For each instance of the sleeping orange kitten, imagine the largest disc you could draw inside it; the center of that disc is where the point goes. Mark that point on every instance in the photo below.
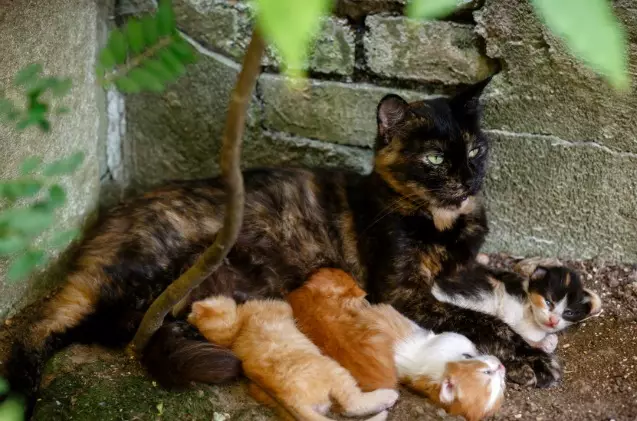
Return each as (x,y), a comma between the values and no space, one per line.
(380,347)
(287,370)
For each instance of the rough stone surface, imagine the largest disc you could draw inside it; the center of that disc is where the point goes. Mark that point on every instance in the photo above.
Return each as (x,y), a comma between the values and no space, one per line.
(544,90)
(38,31)
(426,51)
(329,111)
(556,198)
(177,134)
(225,27)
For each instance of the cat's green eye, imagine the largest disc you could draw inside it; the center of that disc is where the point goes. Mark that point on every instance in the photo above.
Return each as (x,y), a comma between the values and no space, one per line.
(435,158)
(474,152)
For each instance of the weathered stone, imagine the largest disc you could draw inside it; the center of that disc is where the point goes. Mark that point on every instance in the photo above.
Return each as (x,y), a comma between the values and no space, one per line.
(544,89)
(330,111)
(426,51)
(277,149)
(357,9)
(177,134)
(37,31)
(551,197)
(86,384)
(225,27)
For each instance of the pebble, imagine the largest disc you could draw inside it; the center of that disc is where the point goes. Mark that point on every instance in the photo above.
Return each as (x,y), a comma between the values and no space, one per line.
(518,416)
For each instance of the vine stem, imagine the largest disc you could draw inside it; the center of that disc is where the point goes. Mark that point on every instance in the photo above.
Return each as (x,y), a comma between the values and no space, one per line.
(230,161)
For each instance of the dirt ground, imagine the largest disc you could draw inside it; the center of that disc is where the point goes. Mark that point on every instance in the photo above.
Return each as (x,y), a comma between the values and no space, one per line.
(599,357)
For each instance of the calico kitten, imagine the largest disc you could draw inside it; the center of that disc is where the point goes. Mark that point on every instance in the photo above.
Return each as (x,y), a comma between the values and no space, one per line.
(418,217)
(380,347)
(549,300)
(284,363)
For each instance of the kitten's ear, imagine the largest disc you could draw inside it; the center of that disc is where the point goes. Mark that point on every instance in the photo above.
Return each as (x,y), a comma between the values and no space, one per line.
(391,110)
(466,104)
(594,300)
(539,273)
(447,391)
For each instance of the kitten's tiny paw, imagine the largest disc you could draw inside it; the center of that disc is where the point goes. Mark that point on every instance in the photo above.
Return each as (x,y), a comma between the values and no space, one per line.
(381,416)
(549,343)
(387,397)
(547,371)
(521,374)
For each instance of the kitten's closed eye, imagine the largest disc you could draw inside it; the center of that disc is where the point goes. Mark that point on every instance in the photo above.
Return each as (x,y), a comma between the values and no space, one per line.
(467,356)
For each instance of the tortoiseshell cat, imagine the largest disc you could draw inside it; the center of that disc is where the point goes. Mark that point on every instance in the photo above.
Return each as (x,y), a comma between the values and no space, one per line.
(548,300)
(416,218)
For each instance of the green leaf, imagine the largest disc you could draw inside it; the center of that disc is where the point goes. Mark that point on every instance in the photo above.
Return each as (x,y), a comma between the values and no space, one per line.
(12,409)
(432,9)
(12,244)
(25,264)
(118,46)
(62,239)
(30,221)
(64,166)
(28,75)
(172,63)
(146,80)
(29,165)
(160,70)
(183,51)
(127,85)
(107,59)
(57,196)
(592,33)
(149,28)
(135,35)
(291,25)
(165,18)
(19,188)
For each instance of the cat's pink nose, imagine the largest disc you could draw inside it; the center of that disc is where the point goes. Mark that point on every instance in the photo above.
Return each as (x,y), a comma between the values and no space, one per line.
(552,322)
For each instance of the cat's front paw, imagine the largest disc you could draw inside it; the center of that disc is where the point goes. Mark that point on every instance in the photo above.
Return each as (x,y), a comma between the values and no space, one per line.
(549,343)
(539,370)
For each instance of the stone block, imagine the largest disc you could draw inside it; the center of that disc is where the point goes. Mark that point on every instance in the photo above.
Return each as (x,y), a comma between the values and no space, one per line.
(329,111)
(225,27)
(551,197)
(544,89)
(177,134)
(37,31)
(425,51)
(278,149)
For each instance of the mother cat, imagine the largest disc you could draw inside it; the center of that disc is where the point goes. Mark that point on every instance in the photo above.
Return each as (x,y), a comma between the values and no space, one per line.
(415,218)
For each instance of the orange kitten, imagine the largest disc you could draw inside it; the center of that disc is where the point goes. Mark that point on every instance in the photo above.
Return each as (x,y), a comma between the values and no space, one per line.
(288,368)
(380,346)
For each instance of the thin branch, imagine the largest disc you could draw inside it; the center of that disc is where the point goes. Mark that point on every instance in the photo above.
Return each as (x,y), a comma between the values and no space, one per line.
(137,60)
(214,255)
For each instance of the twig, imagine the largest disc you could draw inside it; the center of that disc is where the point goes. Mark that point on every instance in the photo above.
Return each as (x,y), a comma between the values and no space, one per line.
(214,255)
(136,61)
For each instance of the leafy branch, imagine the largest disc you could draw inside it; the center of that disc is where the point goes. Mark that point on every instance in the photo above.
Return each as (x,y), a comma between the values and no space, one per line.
(230,162)
(146,55)
(589,30)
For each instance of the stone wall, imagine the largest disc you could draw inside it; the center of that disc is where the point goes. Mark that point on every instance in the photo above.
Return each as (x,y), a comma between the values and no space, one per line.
(564,163)
(63,36)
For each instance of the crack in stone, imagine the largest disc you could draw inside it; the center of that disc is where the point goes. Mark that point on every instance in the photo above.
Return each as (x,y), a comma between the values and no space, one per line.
(556,141)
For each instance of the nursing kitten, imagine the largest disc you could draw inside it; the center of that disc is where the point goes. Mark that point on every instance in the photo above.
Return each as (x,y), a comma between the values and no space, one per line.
(381,348)
(536,307)
(282,361)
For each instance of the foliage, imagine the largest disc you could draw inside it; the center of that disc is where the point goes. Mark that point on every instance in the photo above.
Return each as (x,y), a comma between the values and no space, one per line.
(291,25)
(37,92)
(589,29)
(147,54)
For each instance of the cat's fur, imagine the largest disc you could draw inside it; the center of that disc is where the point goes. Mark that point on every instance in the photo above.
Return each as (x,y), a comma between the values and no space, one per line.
(282,361)
(380,347)
(548,300)
(397,229)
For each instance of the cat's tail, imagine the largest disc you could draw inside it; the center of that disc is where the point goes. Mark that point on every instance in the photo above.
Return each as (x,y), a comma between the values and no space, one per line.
(177,355)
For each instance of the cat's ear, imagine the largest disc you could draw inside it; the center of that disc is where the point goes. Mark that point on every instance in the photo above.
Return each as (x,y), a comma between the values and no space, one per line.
(594,300)
(447,391)
(539,273)
(466,104)
(391,110)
